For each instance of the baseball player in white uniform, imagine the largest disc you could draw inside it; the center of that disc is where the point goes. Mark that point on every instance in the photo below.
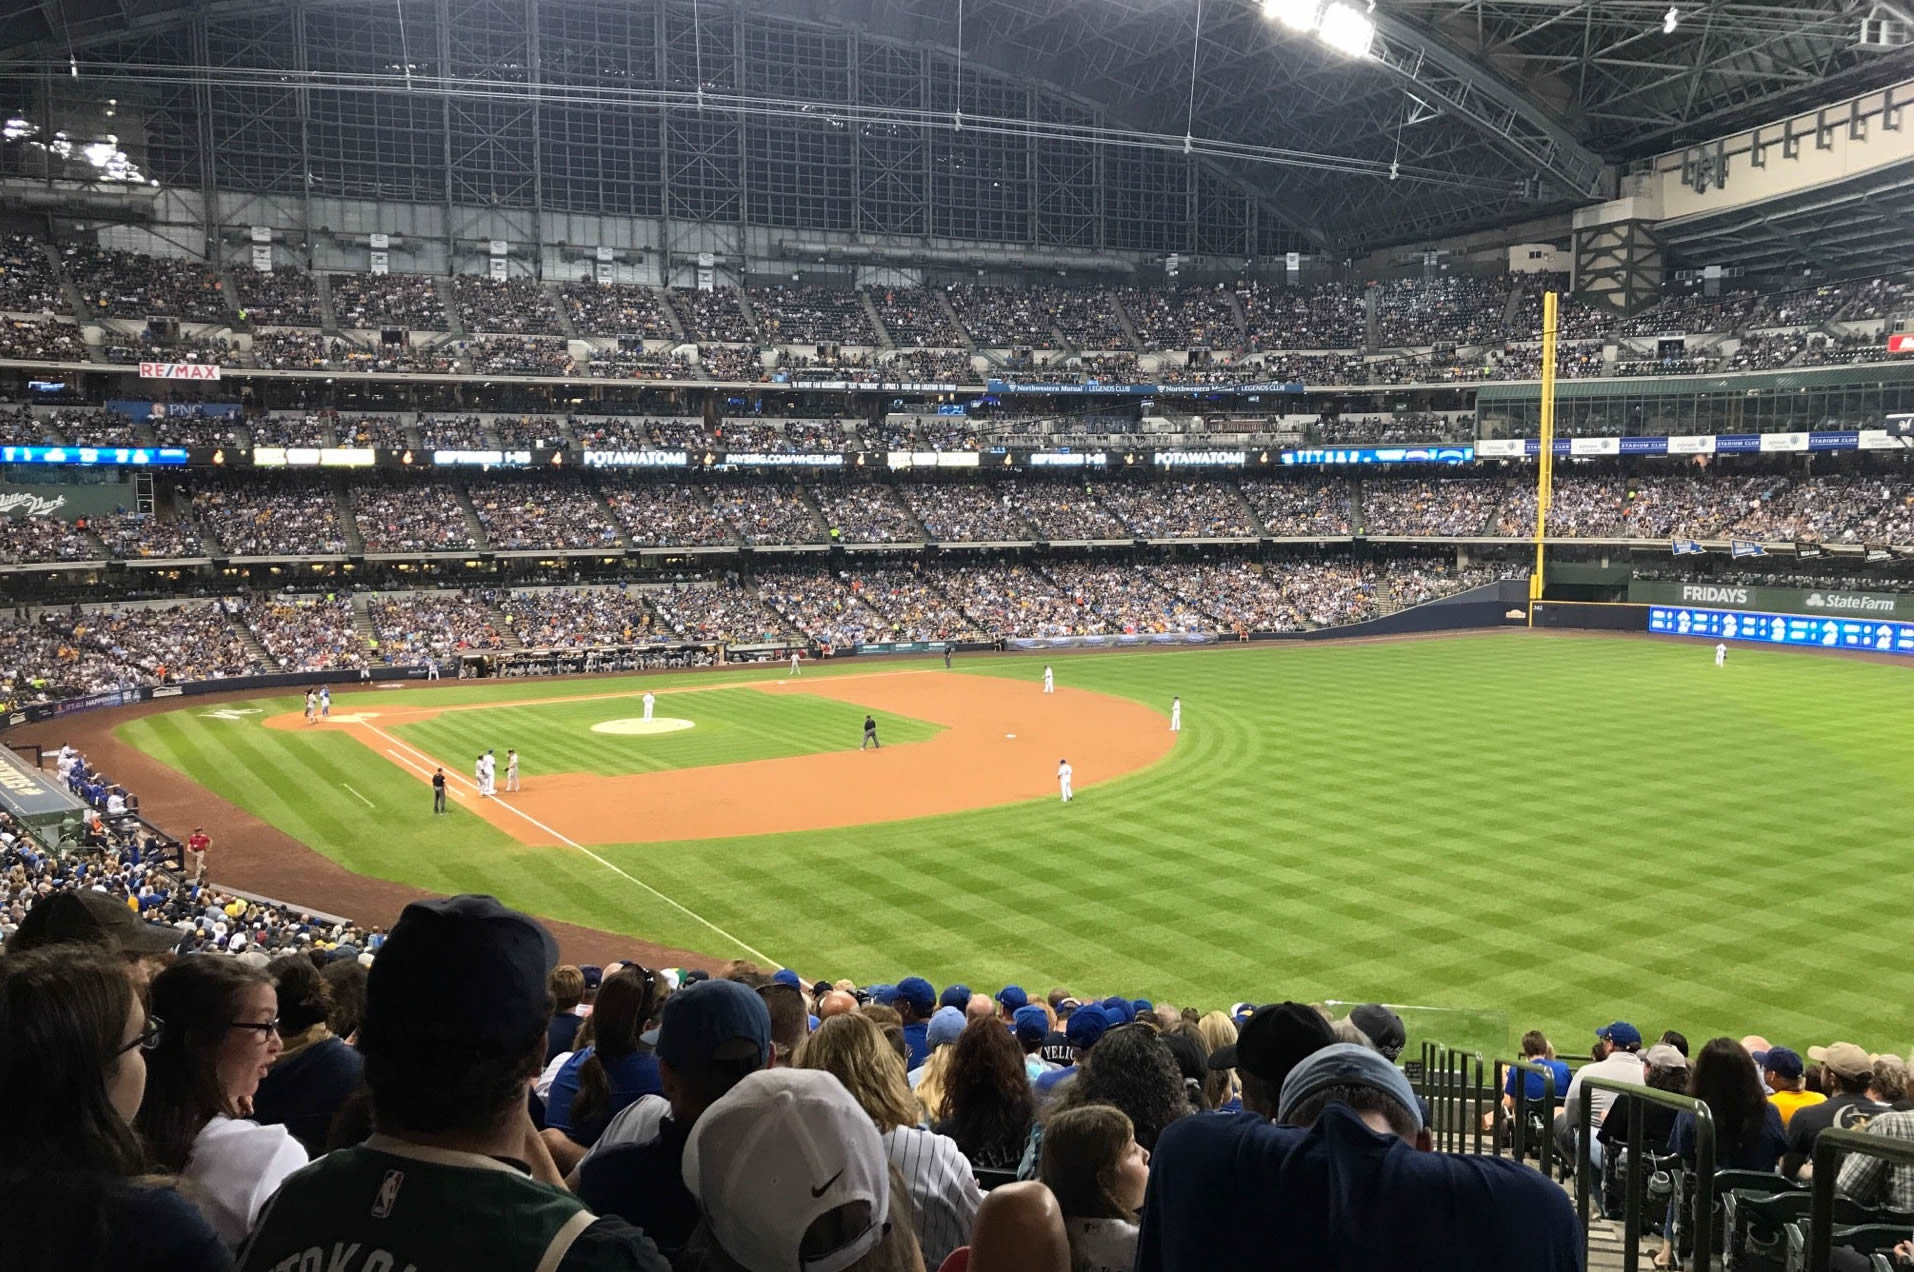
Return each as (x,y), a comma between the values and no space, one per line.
(325,703)
(511,770)
(491,773)
(1064,774)
(312,706)
(1176,715)
(1049,681)
(794,664)
(478,776)
(1721,653)
(650,702)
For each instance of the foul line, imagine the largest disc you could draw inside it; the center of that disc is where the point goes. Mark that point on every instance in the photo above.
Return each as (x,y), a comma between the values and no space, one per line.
(362,799)
(683,909)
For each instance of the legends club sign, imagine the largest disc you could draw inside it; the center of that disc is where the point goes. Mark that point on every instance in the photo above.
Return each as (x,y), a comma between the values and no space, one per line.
(1773,600)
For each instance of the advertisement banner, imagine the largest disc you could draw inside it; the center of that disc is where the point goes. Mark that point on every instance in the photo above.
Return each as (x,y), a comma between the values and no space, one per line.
(1500,448)
(1783,629)
(1594,445)
(481,459)
(314,457)
(1901,342)
(179,371)
(262,257)
(380,262)
(1828,601)
(637,459)
(1784,441)
(707,271)
(95,456)
(1104,642)
(1376,455)
(497,267)
(1692,445)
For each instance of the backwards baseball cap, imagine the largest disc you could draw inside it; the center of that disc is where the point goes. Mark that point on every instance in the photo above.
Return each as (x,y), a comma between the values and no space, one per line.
(497,1002)
(1383,1027)
(1013,997)
(1274,1040)
(916,991)
(86,917)
(944,1027)
(884,995)
(713,1020)
(1784,1061)
(1119,1009)
(780,1151)
(1346,1064)
(957,996)
(1087,1024)
(1663,1056)
(1844,1058)
(594,975)
(785,976)
(1621,1033)
(1030,1024)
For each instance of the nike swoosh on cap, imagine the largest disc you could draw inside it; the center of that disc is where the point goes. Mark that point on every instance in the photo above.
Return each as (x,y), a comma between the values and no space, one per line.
(824,1187)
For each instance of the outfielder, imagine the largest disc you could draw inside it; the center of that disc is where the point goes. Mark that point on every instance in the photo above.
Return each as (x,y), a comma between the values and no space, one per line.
(1176,715)
(650,702)
(1049,681)
(511,770)
(1721,653)
(1064,774)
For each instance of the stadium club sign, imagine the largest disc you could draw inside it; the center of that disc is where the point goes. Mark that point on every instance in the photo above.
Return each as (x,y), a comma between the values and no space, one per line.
(1702,444)
(1833,602)
(179,371)
(1140,390)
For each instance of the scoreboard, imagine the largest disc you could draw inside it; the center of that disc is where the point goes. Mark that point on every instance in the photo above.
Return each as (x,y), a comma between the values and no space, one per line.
(1783,629)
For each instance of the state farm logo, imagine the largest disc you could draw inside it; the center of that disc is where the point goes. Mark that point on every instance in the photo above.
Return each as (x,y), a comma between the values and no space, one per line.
(1858,601)
(1815,601)
(1715,595)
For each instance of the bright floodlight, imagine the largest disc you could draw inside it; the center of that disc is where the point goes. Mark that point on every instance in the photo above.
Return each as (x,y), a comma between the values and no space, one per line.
(1297,15)
(1670,20)
(1347,31)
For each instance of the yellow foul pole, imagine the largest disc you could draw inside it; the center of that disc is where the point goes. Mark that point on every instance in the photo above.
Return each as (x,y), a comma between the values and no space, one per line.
(1545,461)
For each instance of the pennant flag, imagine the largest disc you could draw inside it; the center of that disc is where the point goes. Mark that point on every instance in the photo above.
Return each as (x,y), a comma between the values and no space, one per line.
(1745,548)
(1682,547)
(1807,551)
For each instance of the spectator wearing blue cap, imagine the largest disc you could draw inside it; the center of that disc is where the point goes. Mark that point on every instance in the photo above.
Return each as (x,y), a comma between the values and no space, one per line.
(785,976)
(1786,1076)
(1010,998)
(1030,1025)
(946,1023)
(710,1038)
(1345,1182)
(957,996)
(915,1002)
(1086,1026)
(1618,1059)
(1119,1009)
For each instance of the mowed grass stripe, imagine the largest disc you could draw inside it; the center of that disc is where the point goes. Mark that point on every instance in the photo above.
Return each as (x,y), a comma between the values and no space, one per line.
(729,726)
(1562,831)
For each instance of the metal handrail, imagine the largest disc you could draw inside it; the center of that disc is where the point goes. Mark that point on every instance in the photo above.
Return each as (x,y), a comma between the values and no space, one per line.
(1518,1134)
(1704,1200)
(1828,1145)
(1451,1094)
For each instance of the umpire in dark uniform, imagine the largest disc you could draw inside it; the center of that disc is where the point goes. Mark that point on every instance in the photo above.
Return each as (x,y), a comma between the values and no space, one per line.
(438,791)
(870,735)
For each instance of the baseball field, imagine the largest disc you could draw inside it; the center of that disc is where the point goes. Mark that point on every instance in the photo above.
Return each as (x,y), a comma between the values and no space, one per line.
(1525,831)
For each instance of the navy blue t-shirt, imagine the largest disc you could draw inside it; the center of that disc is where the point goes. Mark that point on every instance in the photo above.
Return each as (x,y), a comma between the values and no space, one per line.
(631,1077)
(1234,1191)
(1762,1153)
(644,1185)
(562,1033)
(1534,1080)
(917,1039)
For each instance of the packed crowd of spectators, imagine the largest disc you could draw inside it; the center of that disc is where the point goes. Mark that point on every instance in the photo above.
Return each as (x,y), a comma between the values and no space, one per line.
(1064,511)
(399,358)
(136,536)
(913,607)
(929,366)
(1406,505)
(296,350)
(375,301)
(1182,317)
(780,436)
(415,515)
(508,306)
(1463,309)
(354,428)
(715,316)
(655,513)
(1319,316)
(965,512)
(635,364)
(290,428)
(628,432)
(1574,360)
(19,426)
(1301,508)
(89,426)
(123,350)
(1696,364)
(1845,349)
(1003,317)
(278,298)
(1766,350)
(24,540)
(731,363)
(860,512)
(811,315)
(28,284)
(765,511)
(1197,509)
(825,607)
(579,618)
(519,355)
(1836,508)
(717,611)
(1688,308)
(1394,429)
(46,339)
(1086,317)
(452,432)
(913,318)
(266,516)
(616,309)
(306,633)
(521,511)
(118,284)
(415,628)
(529,431)
(1879,298)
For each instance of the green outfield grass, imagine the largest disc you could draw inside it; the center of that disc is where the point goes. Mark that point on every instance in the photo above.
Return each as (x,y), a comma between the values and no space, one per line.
(728,726)
(1545,832)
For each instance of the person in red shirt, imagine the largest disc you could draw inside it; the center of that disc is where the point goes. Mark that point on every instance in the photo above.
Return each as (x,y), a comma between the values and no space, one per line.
(196,845)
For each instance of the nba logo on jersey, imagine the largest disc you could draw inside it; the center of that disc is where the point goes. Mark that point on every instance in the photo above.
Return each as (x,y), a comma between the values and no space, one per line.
(388,1194)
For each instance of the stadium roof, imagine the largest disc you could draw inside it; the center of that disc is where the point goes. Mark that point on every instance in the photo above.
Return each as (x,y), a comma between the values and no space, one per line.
(1485,110)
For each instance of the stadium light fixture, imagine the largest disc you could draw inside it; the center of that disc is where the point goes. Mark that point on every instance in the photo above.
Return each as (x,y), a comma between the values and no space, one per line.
(1345,30)
(1670,20)
(1297,15)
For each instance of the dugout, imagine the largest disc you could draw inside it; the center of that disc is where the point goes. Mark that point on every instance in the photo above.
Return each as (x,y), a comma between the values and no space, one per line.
(35,800)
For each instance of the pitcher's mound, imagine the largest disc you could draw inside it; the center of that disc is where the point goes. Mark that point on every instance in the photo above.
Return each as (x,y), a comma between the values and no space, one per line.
(638,727)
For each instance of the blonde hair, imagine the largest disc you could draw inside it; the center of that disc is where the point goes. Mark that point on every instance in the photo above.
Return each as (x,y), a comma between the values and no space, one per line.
(1217,1031)
(852,1049)
(930,1087)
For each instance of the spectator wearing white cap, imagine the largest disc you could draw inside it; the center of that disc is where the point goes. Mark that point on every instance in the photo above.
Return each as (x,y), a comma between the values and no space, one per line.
(791,1173)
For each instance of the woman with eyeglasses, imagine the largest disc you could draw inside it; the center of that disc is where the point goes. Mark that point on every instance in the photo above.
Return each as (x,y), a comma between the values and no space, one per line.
(220,1039)
(618,1067)
(74,1039)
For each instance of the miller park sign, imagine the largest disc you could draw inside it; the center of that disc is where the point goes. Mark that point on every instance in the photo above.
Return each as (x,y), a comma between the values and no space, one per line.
(1774,600)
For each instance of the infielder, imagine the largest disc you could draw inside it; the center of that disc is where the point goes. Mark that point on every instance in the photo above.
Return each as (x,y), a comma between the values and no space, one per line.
(312,706)
(511,770)
(491,772)
(1176,715)
(650,702)
(1064,774)
(325,703)
(1721,653)
(794,664)
(438,792)
(432,669)
(478,776)
(1049,681)
(870,735)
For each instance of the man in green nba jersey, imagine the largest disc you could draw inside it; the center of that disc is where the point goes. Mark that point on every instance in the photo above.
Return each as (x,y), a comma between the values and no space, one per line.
(453,1035)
